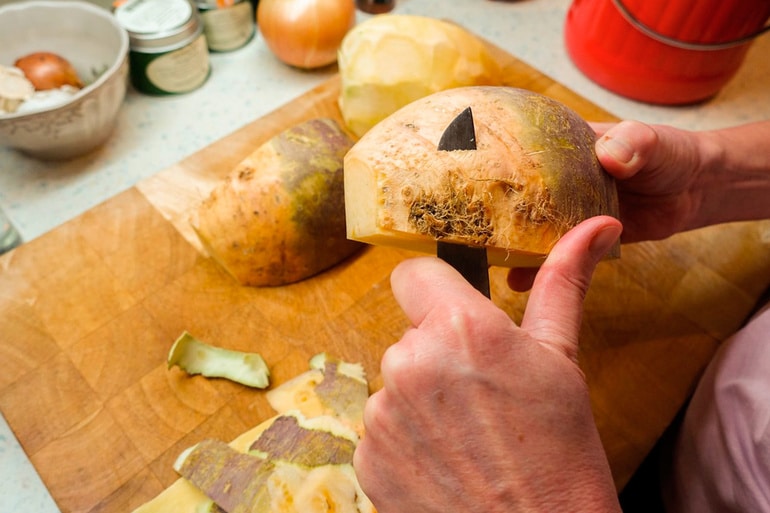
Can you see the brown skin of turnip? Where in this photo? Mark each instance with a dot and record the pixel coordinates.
(279, 217)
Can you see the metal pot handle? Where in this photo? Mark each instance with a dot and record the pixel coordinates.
(648, 31)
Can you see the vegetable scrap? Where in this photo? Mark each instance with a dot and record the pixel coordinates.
(299, 461)
(196, 357)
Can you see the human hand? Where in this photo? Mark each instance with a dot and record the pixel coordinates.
(655, 168)
(479, 414)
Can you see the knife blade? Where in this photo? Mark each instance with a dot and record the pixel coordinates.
(470, 261)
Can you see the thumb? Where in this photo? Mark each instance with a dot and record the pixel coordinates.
(555, 307)
(629, 146)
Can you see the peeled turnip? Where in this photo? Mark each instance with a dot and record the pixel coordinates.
(389, 61)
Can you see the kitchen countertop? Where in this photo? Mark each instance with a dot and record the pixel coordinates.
(153, 133)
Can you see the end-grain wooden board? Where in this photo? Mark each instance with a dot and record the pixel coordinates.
(89, 310)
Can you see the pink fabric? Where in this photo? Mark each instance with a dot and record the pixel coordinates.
(720, 460)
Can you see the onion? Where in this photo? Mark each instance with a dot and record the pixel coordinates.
(305, 33)
(48, 71)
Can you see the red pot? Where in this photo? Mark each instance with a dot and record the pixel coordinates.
(663, 51)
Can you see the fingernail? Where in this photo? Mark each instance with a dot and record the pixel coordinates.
(617, 149)
(603, 241)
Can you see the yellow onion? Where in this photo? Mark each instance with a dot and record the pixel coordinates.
(48, 71)
(305, 33)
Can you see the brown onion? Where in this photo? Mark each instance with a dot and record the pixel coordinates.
(48, 71)
(305, 33)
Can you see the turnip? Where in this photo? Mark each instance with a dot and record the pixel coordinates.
(533, 176)
(386, 62)
(279, 217)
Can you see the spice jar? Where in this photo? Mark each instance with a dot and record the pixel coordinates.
(168, 51)
(227, 24)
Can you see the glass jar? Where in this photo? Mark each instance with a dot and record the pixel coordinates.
(168, 53)
(228, 24)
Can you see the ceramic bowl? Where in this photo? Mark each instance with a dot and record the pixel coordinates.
(90, 38)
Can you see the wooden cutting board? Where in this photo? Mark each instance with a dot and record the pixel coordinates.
(89, 310)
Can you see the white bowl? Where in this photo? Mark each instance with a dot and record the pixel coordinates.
(91, 39)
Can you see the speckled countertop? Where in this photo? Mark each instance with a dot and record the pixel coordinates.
(152, 133)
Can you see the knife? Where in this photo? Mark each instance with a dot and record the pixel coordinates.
(470, 261)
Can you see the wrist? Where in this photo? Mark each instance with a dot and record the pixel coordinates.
(593, 494)
(582, 483)
(733, 175)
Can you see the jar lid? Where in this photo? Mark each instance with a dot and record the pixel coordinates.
(159, 25)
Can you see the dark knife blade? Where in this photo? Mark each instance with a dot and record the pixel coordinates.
(470, 261)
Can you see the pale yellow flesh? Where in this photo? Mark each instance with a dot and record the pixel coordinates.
(433, 55)
(364, 213)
